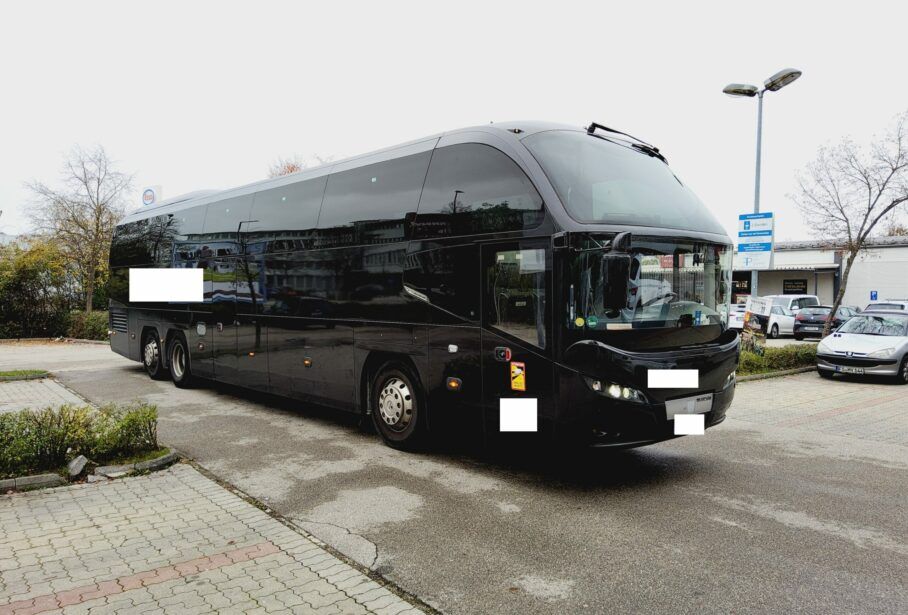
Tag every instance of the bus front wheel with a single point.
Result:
(397, 406)
(180, 370)
(152, 357)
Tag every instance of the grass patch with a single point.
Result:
(22, 374)
(33, 441)
(777, 359)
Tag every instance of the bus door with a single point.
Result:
(223, 317)
(518, 382)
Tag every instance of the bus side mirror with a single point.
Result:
(616, 269)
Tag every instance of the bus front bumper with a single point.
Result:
(613, 423)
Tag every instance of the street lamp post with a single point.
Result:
(773, 84)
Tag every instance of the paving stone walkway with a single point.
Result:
(19, 394)
(169, 542)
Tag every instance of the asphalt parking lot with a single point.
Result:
(796, 503)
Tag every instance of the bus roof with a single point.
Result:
(507, 130)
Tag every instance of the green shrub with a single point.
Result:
(124, 430)
(92, 326)
(41, 440)
(777, 359)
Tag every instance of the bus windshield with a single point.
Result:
(599, 181)
(673, 283)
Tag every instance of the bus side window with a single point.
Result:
(516, 300)
(473, 188)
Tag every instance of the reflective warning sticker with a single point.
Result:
(518, 376)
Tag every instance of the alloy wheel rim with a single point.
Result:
(178, 359)
(395, 404)
(151, 353)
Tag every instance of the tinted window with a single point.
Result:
(284, 215)
(601, 181)
(370, 204)
(816, 311)
(448, 279)
(223, 217)
(474, 188)
(129, 246)
(807, 301)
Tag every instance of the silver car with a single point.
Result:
(869, 343)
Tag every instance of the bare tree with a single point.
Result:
(81, 216)
(848, 189)
(896, 229)
(286, 166)
(294, 164)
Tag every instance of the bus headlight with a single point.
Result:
(615, 390)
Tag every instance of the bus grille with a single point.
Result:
(118, 321)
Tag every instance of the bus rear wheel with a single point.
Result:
(152, 357)
(397, 406)
(180, 370)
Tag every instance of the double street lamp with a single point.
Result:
(773, 84)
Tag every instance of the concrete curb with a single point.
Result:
(784, 372)
(37, 481)
(142, 466)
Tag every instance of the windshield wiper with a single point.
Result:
(640, 144)
(649, 149)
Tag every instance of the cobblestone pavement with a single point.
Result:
(20, 394)
(169, 542)
(861, 409)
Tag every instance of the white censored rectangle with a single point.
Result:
(673, 378)
(171, 285)
(689, 425)
(517, 414)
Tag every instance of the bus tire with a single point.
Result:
(397, 406)
(152, 356)
(180, 368)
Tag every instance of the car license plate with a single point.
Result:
(845, 369)
(811, 328)
(696, 404)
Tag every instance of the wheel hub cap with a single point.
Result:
(151, 353)
(395, 404)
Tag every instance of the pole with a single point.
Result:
(754, 273)
(759, 152)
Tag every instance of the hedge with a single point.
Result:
(91, 326)
(44, 440)
(777, 359)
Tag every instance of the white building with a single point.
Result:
(815, 267)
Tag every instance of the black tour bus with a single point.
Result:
(425, 283)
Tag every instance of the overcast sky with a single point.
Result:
(196, 95)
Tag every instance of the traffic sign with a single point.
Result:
(755, 241)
